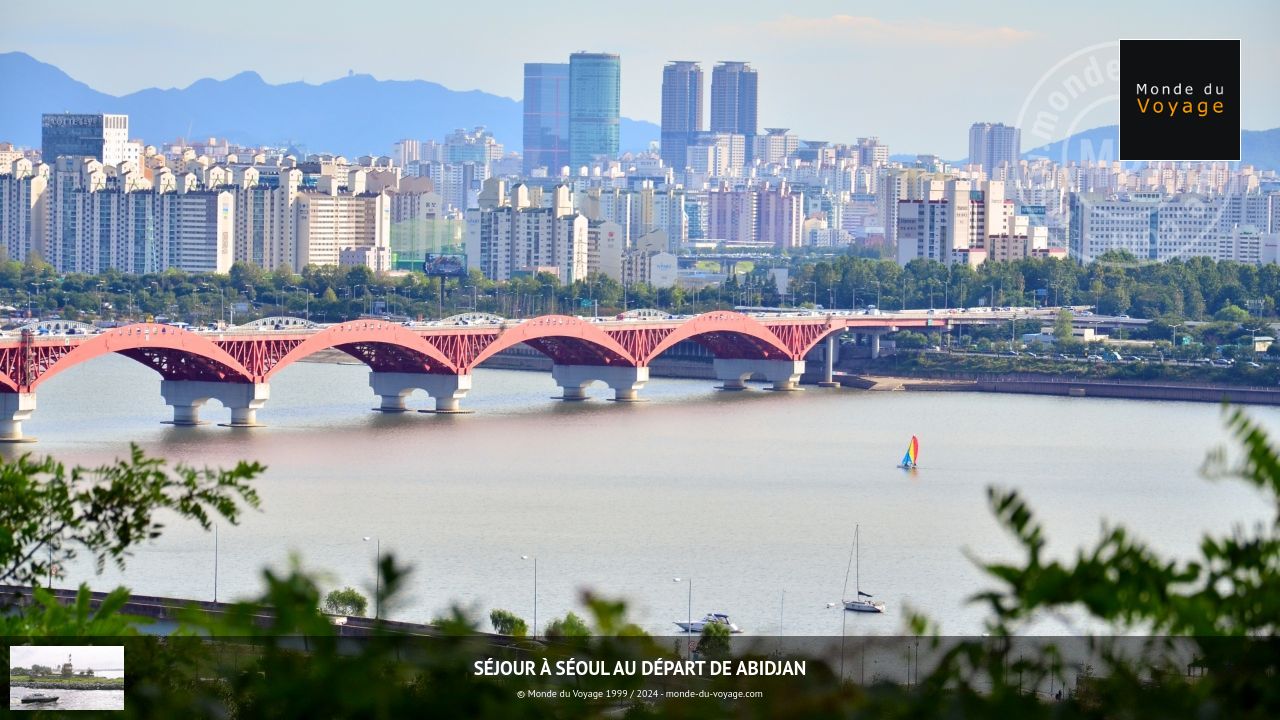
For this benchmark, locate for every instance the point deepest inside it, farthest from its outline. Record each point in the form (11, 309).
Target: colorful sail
(913, 452)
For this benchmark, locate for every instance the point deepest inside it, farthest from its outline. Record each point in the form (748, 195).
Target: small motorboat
(708, 619)
(39, 698)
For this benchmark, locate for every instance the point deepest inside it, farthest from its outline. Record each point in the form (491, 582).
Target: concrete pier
(828, 362)
(187, 396)
(784, 374)
(14, 409)
(626, 381)
(394, 388)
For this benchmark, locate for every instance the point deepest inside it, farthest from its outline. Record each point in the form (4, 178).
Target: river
(754, 496)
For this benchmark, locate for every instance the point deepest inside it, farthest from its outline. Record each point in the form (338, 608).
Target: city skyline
(815, 61)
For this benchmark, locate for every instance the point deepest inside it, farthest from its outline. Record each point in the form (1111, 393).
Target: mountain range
(345, 116)
(353, 115)
(1259, 148)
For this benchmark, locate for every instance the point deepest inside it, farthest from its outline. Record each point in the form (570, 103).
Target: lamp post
(689, 626)
(535, 592)
(377, 588)
(215, 562)
(815, 293)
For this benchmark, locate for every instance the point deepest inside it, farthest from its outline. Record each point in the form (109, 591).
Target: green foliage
(279, 656)
(1063, 325)
(714, 641)
(506, 622)
(347, 601)
(570, 626)
(1232, 314)
(49, 515)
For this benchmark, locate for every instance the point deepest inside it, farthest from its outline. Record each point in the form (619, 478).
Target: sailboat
(913, 452)
(858, 603)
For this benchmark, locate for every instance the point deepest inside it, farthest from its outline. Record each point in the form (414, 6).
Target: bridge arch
(382, 345)
(728, 335)
(175, 353)
(566, 340)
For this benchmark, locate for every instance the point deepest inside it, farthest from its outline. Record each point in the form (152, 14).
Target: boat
(861, 601)
(708, 619)
(39, 698)
(913, 452)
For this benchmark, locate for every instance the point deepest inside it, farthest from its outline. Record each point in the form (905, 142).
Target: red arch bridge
(235, 365)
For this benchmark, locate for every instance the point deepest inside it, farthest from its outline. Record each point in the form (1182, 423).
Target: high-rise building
(734, 87)
(22, 209)
(681, 110)
(994, 145)
(104, 138)
(329, 222)
(546, 117)
(508, 233)
(595, 82)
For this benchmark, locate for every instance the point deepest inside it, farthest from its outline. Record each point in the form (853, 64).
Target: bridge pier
(626, 381)
(875, 345)
(734, 372)
(188, 396)
(829, 362)
(394, 388)
(14, 409)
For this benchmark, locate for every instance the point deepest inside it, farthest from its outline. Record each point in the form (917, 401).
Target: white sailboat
(861, 601)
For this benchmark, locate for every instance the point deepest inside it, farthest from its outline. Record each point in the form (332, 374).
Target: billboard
(445, 265)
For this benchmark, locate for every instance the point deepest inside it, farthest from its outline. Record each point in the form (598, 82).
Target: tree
(1063, 325)
(49, 514)
(347, 601)
(571, 626)
(1232, 313)
(714, 641)
(506, 622)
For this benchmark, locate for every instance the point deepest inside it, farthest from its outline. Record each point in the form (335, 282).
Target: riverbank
(906, 373)
(70, 684)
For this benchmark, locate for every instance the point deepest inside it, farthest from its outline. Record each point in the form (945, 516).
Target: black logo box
(1187, 66)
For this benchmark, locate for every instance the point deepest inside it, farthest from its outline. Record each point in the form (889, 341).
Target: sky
(916, 74)
(99, 657)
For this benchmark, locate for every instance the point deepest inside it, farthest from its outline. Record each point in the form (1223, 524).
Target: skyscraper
(681, 110)
(595, 81)
(101, 137)
(734, 88)
(546, 116)
(991, 145)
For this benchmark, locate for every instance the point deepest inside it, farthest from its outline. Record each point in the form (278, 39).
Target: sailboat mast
(857, 578)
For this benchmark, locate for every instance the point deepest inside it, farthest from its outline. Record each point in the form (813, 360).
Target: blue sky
(914, 73)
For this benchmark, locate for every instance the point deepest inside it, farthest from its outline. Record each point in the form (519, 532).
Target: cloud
(870, 30)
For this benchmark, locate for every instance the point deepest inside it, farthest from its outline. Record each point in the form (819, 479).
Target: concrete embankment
(865, 378)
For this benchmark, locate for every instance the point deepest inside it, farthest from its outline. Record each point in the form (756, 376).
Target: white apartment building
(22, 208)
(507, 234)
(328, 223)
(1155, 226)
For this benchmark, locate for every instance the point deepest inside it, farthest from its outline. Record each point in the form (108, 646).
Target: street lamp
(535, 592)
(689, 626)
(377, 588)
(215, 562)
(815, 293)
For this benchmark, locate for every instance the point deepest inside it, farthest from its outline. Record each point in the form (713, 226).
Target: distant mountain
(353, 115)
(1259, 148)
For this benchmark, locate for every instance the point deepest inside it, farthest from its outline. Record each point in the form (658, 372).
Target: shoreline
(868, 379)
(58, 685)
